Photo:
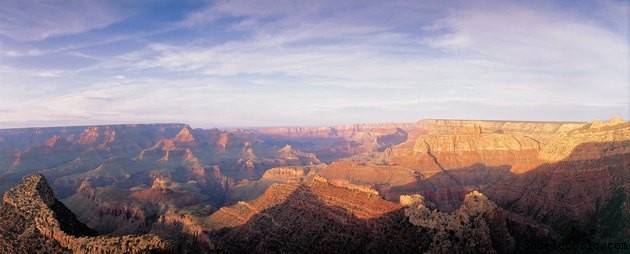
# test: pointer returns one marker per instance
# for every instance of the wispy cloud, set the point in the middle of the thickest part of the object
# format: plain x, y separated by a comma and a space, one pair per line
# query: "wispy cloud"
36, 20
253, 63
532, 39
500, 52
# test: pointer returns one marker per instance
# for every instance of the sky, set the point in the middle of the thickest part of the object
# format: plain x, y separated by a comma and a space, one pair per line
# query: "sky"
311, 63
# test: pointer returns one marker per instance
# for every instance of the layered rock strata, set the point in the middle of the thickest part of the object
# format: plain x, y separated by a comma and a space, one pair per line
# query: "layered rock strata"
34, 199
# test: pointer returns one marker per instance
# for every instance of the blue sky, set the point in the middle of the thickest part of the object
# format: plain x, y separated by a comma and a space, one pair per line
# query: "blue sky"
306, 63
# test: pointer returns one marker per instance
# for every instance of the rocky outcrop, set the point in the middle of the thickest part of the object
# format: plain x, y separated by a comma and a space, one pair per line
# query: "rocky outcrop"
88, 136
348, 185
185, 229
315, 217
478, 226
184, 136
51, 141
363, 204
167, 149
99, 136
241, 212
247, 190
36, 202
284, 174
221, 141
166, 192
247, 153
290, 156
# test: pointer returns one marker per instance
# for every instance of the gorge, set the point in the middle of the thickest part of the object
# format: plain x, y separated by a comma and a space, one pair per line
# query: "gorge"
432, 186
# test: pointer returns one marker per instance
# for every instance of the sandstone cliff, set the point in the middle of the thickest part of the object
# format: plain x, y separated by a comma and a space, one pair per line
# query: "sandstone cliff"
613, 135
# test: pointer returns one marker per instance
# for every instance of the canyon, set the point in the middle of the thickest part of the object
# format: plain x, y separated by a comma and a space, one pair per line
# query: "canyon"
431, 186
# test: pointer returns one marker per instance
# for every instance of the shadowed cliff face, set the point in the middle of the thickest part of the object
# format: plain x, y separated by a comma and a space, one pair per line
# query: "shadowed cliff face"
573, 195
447, 189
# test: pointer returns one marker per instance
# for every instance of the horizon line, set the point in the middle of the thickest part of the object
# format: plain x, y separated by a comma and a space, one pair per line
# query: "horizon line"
294, 126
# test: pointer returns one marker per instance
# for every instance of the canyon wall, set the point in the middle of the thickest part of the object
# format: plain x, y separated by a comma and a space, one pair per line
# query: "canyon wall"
427, 186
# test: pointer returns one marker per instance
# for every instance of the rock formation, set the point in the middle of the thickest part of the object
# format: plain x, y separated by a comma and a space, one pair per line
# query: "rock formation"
317, 216
289, 156
184, 136
35, 201
478, 226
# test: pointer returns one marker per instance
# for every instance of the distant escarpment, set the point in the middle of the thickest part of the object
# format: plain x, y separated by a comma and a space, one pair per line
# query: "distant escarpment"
332, 143
335, 131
